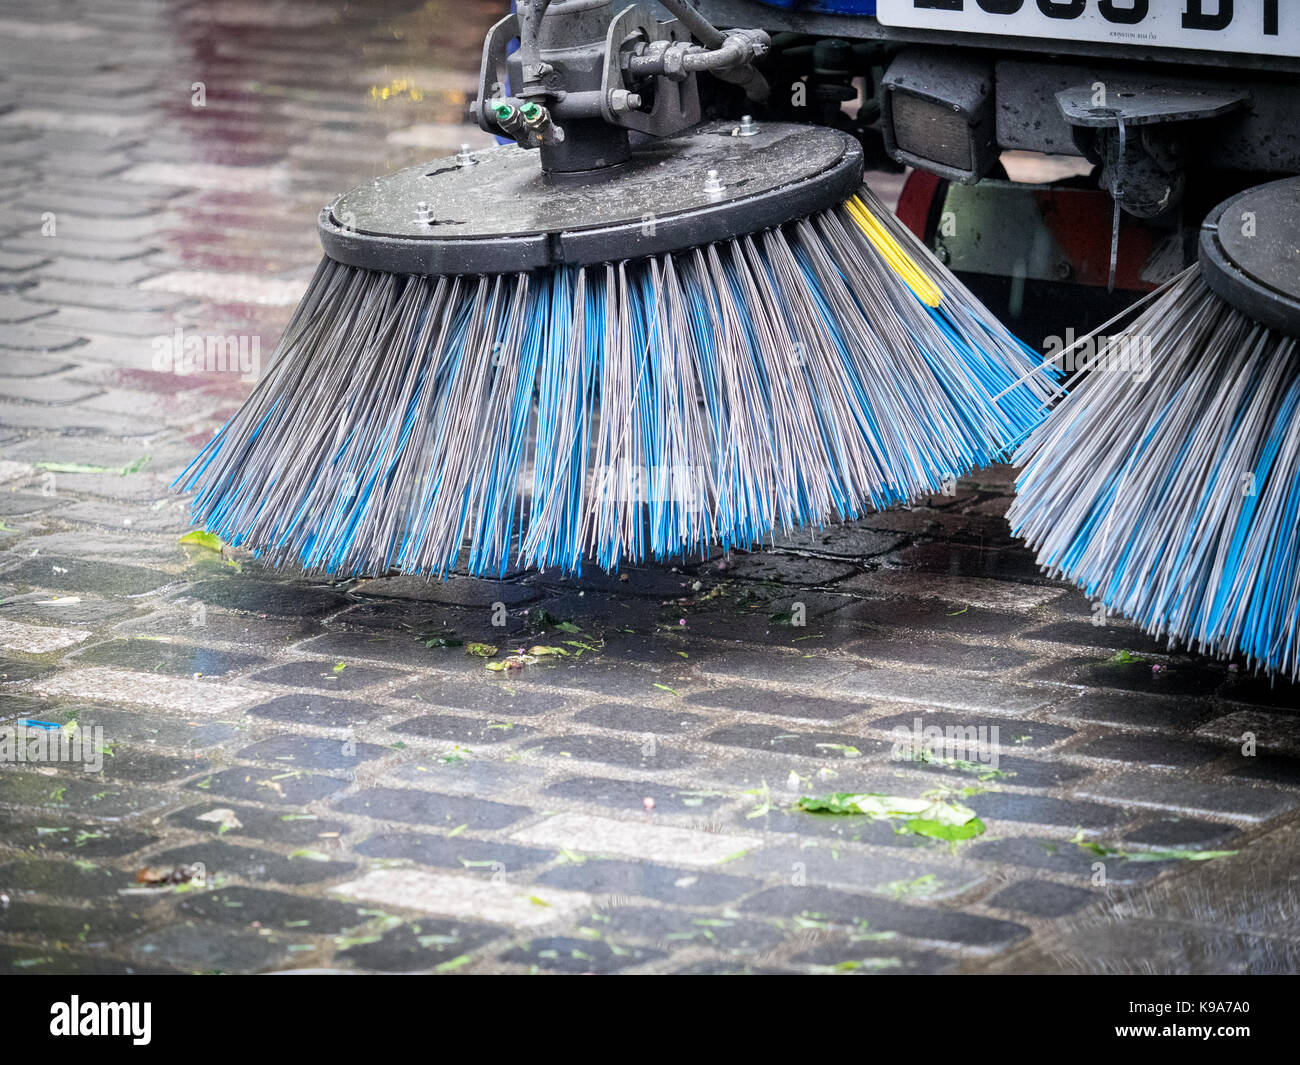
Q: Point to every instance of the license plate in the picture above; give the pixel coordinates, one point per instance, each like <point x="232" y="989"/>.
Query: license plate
<point x="1267" y="27"/>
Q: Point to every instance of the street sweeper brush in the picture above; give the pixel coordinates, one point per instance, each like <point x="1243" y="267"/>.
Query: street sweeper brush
<point x="618" y="354"/>
<point x="1167" y="483"/>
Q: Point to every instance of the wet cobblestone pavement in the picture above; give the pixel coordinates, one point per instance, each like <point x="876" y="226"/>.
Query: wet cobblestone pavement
<point x="362" y="794"/>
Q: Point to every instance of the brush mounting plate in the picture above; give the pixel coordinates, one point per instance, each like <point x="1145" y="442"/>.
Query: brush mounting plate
<point x="1250" y="253"/>
<point x="501" y="214"/>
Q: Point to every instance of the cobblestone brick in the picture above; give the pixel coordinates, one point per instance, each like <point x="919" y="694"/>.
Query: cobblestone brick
<point x="941" y="927"/>
<point x="427" y="944"/>
<point x="644" y="755"/>
<point x="464" y="729"/>
<point x="289" y="786"/>
<point x="1194" y="796"/>
<point x="578" y="955"/>
<point x="638" y="718"/>
<point x="782" y="704"/>
<point x="312" y="709"/>
<point x="429" y="808"/>
<point x="326" y="677"/>
<point x="1042" y="898"/>
<point x="310" y="752"/>
<point x="632" y="794"/>
<point x="681" y="887"/>
<point x="226" y="859"/>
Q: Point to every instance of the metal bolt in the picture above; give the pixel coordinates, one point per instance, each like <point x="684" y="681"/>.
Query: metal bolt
<point x="464" y="157"/>
<point x="713" y="185"/>
<point x="423" y="213"/>
<point x="621" y="100"/>
<point x="748" y="127"/>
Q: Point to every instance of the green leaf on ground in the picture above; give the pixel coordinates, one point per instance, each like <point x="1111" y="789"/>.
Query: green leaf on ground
<point x="199" y="538"/>
<point x="481" y="650"/>
<point x="936" y="817"/>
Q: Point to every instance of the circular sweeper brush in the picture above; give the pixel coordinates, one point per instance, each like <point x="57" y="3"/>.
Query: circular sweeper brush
<point x="496" y="211"/>
<point x="1167" y="484"/>
<point x="575" y="348"/>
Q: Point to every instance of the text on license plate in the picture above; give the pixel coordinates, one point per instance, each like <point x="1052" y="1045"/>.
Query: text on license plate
<point x="1269" y="27"/>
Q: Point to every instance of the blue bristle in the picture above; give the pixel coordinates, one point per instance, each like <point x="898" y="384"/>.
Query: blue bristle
<point x="612" y="413"/>
<point x="1172" y="495"/>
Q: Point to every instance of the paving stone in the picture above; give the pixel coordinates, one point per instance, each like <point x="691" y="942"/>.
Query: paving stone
<point x="150" y="730"/>
<point x="1055" y="856"/>
<point x="788" y="569"/>
<point x="1148" y="751"/>
<point x="783" y="704"/>
<point x="994" y="595"/>
<point x="1268" y="769"/>
<point x="806" y="669"/>
<point x="294" y="827"/>
<point x="307" y="708"/>
<point x="1135" y="711"/>
<point x="944" y="928"/>
<point x="1258" y="690"/>
<point x="175" y="659"/>
<point x="73" y="836"/>
<point x="632" y="794"/>
<point x="216" y="626"/>
<point x="843" y="541"/>
<point x="649" y="754"/>
<point x="44" y="960"/>
<point x="465" y="897"/>
<point x="494" y="858"/>
<point x="837" y="865"/>
<point x="310" y="752"/>
<point x="299" y="914"/>
<point x="429" y="808"/>
<point x="586" y="833"/>
<point x="1042" y="898"/>
<point x="278" y="598"/>
<point x="427" y="944"/>
<point x="457" y="591"/>
<point x="630" y="718"/>
<point x="205" y="948"/>
<point x="671" y="929"/>
<point x="143" y="767"/>
<point x="1193" y="796"/>
<point x="73" y="795"/>
<point x="1182" y="833"/>
<point x="730" y="968"/>
<point x="1045" y="810"/>
<point x="89" y="927"/>
<point x="77" y="576"/>
<point x="871" y="958"/>
<point x="678" y="886"/>
<point x="1271" y="731"/>
<point x="398" y="650"/>
<point x="1173" y="678"/>
<point x="38" y="639"/>
<point x="1023" y="734"/>
<point x="62" y="879"/>
<point x="941" y="689"/>
<point x="65" y="610"/>
<point x="780" y="740"/>
<point x="941" y="654"/>
<point x="463" y="729"/>
<point x="226" y="859"/>
<point x="208" y="696"/>
<point x="963" y="560"/>
<point x="613" y="680"/>
<point x="504" y="700"/>
<point x="570" y="955"/>
<point x="1022" y="772"/>
<point x="287" y="786"/>
<point x="323" y="676"/>
<point x="13" y="670"/>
